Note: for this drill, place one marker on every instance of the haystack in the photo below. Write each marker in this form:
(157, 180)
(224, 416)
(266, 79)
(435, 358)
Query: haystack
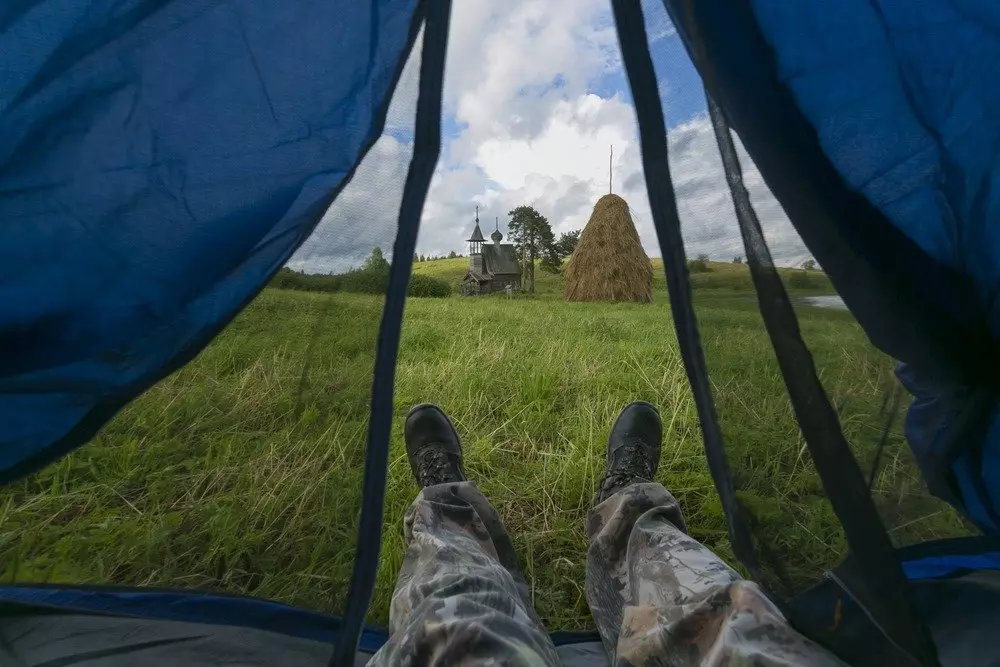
(609, 263)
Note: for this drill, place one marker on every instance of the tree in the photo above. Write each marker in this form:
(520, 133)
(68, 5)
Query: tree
(551, 259)
(698, 265)
(532, 235)
(452, 255)
(809, 265)
(554, 254)
(422, 259)
(376, 261)
(738, 259)
(567, 242)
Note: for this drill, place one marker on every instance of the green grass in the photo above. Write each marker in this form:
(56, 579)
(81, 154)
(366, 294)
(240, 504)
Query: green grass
(241, 471)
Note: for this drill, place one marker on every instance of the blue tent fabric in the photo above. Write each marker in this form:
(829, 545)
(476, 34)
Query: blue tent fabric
(908, 111)
(918, 78)
(936, 435)
(158, 163)
(875, 125)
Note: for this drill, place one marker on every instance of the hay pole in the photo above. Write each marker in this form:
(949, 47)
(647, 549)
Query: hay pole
(611, 158)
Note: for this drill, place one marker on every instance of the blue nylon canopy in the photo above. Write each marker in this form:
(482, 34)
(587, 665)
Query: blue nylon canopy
(159, 161)
(876, 124)
(904, 102)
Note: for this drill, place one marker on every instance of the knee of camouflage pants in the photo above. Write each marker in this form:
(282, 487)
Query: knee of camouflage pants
(662, 598)
(460, 596)
(733, 624)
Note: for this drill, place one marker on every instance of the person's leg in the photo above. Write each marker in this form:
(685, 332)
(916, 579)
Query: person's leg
(460, 596)
(659, 597)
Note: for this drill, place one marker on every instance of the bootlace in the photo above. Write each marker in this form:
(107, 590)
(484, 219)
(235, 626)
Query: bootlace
(436, 466)
(630, 464)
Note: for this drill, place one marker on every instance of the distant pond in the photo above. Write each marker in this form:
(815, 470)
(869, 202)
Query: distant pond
(827, 301)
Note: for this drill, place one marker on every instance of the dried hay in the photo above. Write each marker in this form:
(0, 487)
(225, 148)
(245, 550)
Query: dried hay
(609, 263)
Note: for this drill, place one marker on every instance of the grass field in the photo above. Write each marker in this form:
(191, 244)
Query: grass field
(241, 471)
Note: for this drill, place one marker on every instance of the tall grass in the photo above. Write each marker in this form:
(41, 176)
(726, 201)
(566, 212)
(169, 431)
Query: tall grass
(241, 471)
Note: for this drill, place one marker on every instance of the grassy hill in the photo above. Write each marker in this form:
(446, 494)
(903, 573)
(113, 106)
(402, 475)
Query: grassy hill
(241, 471)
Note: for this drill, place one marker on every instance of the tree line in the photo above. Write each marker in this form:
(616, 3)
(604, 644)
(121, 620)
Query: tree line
(432, 258)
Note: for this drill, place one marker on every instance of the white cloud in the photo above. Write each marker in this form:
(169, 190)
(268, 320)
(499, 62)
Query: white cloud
(574, 142)
(363, 215)
(708, 220)
(509, 63)
(658, 23)
(529, 120)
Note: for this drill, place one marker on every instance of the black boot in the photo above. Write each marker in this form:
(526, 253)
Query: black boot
(633, 449)
(432, 446)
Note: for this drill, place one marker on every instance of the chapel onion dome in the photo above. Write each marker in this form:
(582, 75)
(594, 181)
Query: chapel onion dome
(496, 236)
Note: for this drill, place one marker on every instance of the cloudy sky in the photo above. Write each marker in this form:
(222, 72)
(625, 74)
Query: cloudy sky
(535, 95)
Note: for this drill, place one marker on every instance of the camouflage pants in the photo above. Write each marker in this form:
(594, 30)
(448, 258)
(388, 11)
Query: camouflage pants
(657, 595)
